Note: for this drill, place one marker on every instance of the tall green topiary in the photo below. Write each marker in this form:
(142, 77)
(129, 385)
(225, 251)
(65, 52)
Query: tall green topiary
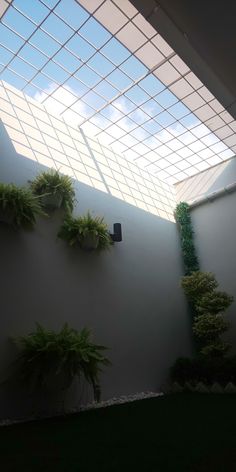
(183, 218)
(209, 306)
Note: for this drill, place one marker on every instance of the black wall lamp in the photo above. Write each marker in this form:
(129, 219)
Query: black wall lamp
(117, 233)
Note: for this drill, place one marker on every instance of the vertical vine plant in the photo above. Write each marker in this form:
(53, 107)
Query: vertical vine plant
(183, 218)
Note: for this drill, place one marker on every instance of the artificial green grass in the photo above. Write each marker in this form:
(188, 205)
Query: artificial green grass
(176, 433)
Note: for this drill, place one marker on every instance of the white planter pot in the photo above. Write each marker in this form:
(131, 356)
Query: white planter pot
(89, 242)
(52, 202)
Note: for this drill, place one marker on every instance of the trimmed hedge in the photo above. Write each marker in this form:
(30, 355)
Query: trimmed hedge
(205, 370)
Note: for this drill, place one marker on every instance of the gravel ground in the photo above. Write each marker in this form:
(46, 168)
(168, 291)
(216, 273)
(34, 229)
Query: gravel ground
(89, 406)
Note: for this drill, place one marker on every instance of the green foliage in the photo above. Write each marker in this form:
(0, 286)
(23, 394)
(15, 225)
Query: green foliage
(208, 326)
(75, 230)
(20, 204)
(198, 284)
(204, 369)
(51, 183)
(45, 354)
(209, 305)
(183, 218)
(213, 302)
(215, 348)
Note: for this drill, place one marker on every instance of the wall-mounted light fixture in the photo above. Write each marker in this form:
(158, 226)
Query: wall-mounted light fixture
(117, 233)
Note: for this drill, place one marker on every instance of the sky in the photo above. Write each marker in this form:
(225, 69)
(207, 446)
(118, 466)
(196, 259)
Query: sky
(73, 65)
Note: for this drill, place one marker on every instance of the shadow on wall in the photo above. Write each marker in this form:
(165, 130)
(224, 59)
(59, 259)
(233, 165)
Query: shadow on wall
(50, 141)
(129, 296)
(207, 182)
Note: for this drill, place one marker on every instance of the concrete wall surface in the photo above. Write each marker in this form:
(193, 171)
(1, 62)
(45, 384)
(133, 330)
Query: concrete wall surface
(129, 296)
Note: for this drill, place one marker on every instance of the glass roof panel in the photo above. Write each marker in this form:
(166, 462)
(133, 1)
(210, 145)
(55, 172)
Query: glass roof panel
(102, 66)
(80, 48)
(72, 13)
(120, 80)
(9, 39)
(35, 10)
(28, 53)
(44, 43)
(94, 33)
(24, 27)
(115, 52)
(5, 56)
(57, 28)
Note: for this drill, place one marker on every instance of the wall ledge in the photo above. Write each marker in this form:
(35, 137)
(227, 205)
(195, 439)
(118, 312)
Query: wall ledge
(213, 196)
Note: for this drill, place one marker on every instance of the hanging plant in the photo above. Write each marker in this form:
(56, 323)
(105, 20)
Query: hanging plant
(18, 206)
(49, 358)
(183, 218)
(55, 190)
(90, 233)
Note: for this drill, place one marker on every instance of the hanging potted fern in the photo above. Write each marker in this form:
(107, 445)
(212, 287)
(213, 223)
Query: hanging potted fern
(18, 206)
(55, 190)
(53, 359)
(90, 233)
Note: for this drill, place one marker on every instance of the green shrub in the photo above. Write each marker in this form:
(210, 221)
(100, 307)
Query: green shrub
(215, 348)
(54, 183)
(44, 355)
(209, 326)
(204, 369)
(209, 305)
(75, 230)
(20, 205)
(213, 302)
(198, 284)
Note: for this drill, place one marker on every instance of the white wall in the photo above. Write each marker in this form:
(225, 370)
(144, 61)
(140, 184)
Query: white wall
(130, 296)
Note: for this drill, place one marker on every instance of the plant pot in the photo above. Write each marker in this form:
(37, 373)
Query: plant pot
(89, 242)
(6, 216)
(52, 201)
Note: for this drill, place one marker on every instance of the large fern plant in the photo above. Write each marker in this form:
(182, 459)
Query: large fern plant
(76, 230)
(46, 355)
(18, 206)
(54, 183)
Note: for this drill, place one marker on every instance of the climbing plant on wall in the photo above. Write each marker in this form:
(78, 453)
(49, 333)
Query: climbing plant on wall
(207, 304)
(183, 218)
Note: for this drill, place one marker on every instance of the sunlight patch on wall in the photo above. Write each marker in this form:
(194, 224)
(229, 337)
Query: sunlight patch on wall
(49, 140)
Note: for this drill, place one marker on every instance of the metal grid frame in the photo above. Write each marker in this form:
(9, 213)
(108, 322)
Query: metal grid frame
(203, 136)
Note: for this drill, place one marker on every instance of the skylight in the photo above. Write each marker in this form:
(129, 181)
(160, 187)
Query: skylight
(101, 65)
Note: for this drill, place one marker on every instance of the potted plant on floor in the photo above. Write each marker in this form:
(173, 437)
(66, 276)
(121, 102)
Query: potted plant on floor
(90, 233)
(18, 206)
(48, 358)
(55, 190)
